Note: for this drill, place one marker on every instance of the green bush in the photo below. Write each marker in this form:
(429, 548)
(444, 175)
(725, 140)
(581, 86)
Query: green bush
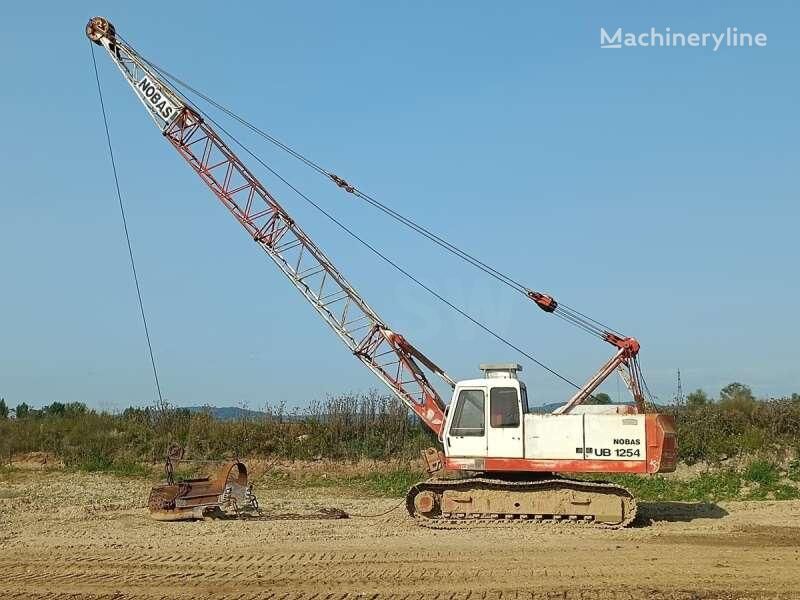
(761, 471)
(737, 426)
(356, 426)
(725, 484)
(794, 470)
(392, 484)
(346, 427)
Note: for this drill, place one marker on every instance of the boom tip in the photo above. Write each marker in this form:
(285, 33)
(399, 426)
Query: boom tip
(98, 28)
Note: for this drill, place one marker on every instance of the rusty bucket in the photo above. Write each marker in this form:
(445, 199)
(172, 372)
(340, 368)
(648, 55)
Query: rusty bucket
(227, 490)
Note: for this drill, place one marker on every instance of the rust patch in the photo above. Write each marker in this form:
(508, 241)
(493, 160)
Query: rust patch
(228, 489)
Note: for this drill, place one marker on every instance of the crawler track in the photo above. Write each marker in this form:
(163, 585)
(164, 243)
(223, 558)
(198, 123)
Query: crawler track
(580, 515)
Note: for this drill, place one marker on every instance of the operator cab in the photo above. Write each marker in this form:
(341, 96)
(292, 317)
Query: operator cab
(470, 431)
(490, 418)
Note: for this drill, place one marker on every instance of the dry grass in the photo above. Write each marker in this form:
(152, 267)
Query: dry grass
(354, 430)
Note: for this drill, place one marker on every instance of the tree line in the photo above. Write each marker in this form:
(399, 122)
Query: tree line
(352, 426)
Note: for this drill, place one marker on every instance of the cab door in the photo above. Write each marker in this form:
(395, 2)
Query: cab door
(466, 434)
(505, 439)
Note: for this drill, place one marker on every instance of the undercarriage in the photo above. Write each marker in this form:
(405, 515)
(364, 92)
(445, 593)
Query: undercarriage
(455, 503)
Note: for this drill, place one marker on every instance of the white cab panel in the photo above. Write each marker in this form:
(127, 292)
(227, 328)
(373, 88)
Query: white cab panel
(615, 437)
(557, 437)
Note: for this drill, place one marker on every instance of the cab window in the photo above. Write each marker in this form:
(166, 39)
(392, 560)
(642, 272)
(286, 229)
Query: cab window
(524, 390)
(504, 407)
(470, 413)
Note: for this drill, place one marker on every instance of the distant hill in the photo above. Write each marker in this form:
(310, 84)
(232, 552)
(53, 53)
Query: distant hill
(548, 408)
(545, 408)
(234, 413)
(227, 413)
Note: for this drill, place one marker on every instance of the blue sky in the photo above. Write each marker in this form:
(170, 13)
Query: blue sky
(652, 188)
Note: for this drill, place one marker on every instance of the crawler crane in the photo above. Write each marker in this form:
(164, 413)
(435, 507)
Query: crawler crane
(509, 462)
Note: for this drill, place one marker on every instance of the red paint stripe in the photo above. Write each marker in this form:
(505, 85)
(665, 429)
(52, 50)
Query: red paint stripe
(547, 466)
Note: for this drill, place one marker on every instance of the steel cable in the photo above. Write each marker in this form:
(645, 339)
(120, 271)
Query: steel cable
(367, 198)
(388, 260)
(350, 232)
(127, 233)
(578, 318)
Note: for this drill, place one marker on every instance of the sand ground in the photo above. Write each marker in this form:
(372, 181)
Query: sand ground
(71, 535)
